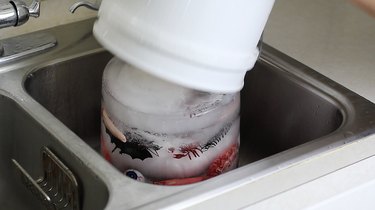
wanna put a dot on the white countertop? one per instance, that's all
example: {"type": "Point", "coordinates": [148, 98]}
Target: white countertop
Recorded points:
{"type": "Point", "coordinates": [332, 37]}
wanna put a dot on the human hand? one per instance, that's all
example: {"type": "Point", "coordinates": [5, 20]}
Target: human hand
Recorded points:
{"type": "Point", "coordinates": [367, 5]}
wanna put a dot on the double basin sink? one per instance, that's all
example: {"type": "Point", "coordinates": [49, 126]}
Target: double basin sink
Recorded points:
{"type": "Point", "coordinates": [289, 113]}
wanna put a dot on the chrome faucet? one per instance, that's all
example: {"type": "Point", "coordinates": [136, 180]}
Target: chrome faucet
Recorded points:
{"type": "Point", "coordinates": [16, 12]}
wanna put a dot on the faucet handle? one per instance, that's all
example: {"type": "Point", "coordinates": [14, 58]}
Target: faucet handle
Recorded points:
{"type": "Point", "coordinates": [34, 8]}
{"type": "Point", "coordinates": [24, 11]}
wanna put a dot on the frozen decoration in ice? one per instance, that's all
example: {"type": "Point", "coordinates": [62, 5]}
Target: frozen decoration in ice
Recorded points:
{"type": "Point", "coordinates": [167, 133]}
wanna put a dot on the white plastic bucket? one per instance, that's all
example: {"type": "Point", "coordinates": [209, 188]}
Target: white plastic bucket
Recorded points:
{"type": "Point", "coordinates": [201, 44]}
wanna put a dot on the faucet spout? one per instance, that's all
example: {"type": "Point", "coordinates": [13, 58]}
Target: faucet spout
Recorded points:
{"type": "Point", "coordinates": [86, 4]}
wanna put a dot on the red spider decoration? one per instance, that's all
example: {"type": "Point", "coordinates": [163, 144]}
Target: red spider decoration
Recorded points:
{"type": "Point", "coordinates": [188, 150]}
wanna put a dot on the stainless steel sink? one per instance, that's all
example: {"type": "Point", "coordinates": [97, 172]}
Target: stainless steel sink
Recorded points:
{"type": "Point", "coordinates": [289, 114]}
{"type": "Point", "coordinates": [12, 145]}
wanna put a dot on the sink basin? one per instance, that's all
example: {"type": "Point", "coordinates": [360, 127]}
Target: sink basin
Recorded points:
{"type": "Point", "coordinates": [21, 139]}
{"type": "Point", "coordinates": [278, 111]}
{"type": "Point", "coordinates": [289, 114]}
{"type": "Point", "coordinates": [71, 91]}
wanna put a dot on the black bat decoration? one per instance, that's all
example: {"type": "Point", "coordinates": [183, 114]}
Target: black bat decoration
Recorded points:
{"type": "Point", "coordinates": [135, 146]}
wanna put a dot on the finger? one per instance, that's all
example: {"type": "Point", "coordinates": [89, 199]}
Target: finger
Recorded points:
{"type": "Point", "coordinates": [367, 5]}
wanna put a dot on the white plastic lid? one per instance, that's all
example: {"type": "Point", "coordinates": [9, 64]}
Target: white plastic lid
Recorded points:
{"type": "Point", "coordinates": [206, 45]}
